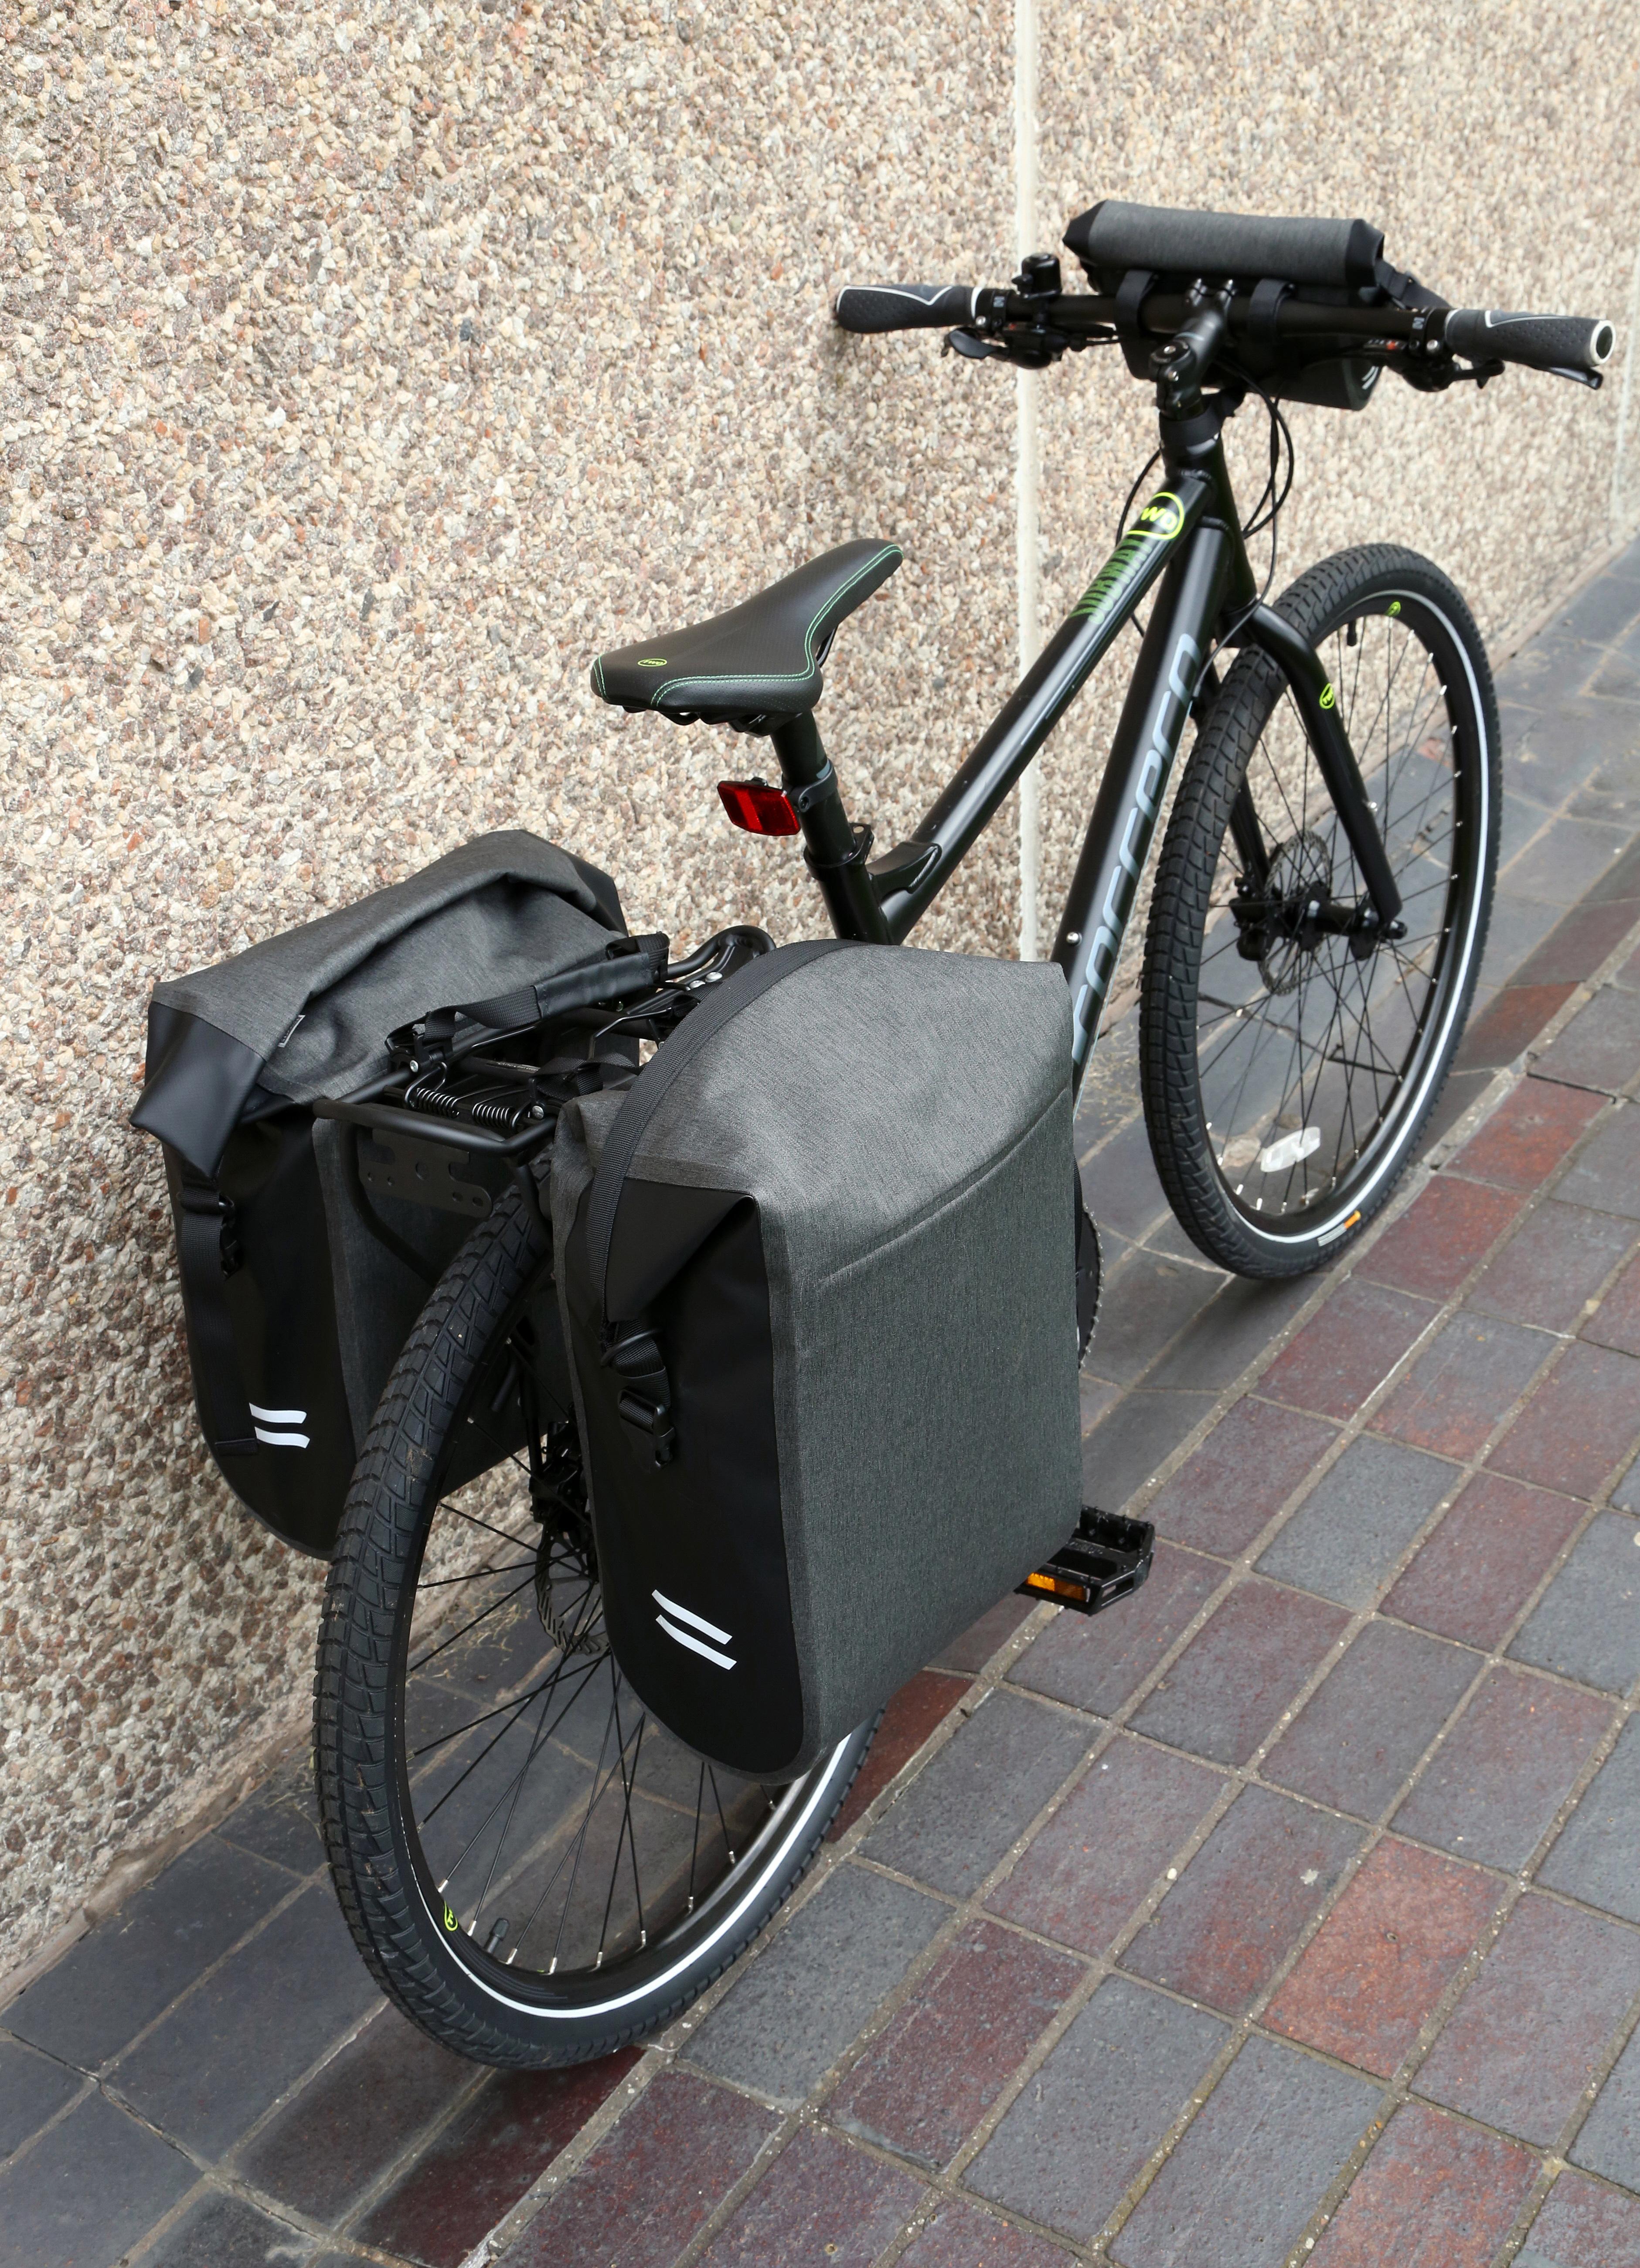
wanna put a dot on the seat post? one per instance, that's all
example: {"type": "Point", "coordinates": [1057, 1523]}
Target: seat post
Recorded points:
{"type": "Point", "coordinates": [835, 852]}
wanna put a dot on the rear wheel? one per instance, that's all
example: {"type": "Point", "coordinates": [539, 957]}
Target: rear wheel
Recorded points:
{"type": "Point", "coordinates": [533, 1867]}
{"type": "Point", "coordinates": [1288, 1067]}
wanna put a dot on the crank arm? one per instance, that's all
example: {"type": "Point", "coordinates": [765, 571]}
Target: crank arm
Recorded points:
{"type": "Point", "coordinates": [1318, 706]}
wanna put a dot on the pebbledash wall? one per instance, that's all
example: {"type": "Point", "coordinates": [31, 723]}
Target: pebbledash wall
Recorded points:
{"type": "Point", "coordinates": [366, 367]}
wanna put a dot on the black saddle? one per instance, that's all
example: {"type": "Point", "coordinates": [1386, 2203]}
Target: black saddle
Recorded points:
{"type": "Point", "coordinates": [760, 663]}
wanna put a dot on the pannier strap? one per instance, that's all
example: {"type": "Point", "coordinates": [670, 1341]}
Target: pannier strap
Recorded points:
{"type": "Point", "coordinates": [208, 1253]}
{"type": "Point", "coordinates": [650, 1090]}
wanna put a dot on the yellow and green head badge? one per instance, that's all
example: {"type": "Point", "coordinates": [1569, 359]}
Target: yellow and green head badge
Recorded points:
{"type": "Point", "coordinates": [1159, 522]}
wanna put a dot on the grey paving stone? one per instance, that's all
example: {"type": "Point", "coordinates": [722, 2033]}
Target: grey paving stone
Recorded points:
{"type": "Point", "coordinates": [1587, 1624]}
{"type": "Point", "coordinates": [1569, 857]}
{"type": "Point", "coordinates": [1597, 1858]}
{"type": "Point", "coordinates": [1148, 1299]}
{"type": "Point", "coordinates": [1600, 1046]}
{"type": "Point", "coordinates": [89, 2190]}
{"type": "Point", "coordinates": [1084, 2129]}
{"type": "Point", "coordinates": [1609, 2141]}
{"type": "Point", "coordinates": [219, 2059]}
{"type": "Point", "coordinates": [279, 1820]}
{"type": "Point", "coordinates": [225, 2232]}
{"type": "Point", "coordinates": [1252, 2168]}
{"type": "Point", "coordinates": [1626, 1494]}
{"type": "Point", "coordinates": [1516, 927]}
{"type": "Point", "coordinates": [1231, 1330]}
{"type": "Point", "coordinates": [117, 1979]}
{"type": "Point", "coordinates": [32, 2088]}
{"type": "Point", "coordinates": [1355, 1741]}
{"type": "Point", "coordinates": [1613, 793]}
{"type": "Point", "coordinates": [1348, 1534]}
{"type": "Point", "coordinates": [957, 1819]}
{"type": "Point", "coordinates": [796, 2008]}
{"type": "Point", "coordinates": [1119, 1184]}
{"type": "Point", "coordinates": [1522, 820]}
{"type": "Point", "coordinates": [1565, 744]}
{"type": "Point", "coordinates": [1128, 1446]}
{"type": "Point", "coordinates": [1607, 1174]}
{"type": "Point", "coordinates": [1600, 612]}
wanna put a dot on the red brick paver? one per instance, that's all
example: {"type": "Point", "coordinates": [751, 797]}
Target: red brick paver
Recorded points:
{"type": "Point", "coordinates": [1527, 2034]}
{"type": "Point", "coordinates": [1474, 1575]}
{"type": "Point", "coordinates": [1435, 2193]}
{"type": "Point", "coordinates": [1440, 1237]}
{"type": "Point", "coordinates": [820, 2200]}
{"type": "Point", "coordinates": [1583, 2224]}
{"type": "Point", "coordinates": [1236, 1482]}
{"type": "Point", "coordinates": [944, 2060]}
{"type": "Point", "coordinates": [1580, 1425]}
{"type": "Point", "coordinates": [1529, 1134]}
{"type": "Point", "coordinates": [1243, 1901]}
{"type": "Point", "coordinates": [1394, 1941]}
{"type": "Point", "coordinates": [1225, 1693]}
{"type": "Point", "coordinates": [653, 2183]}
{"type": "Point", "coordinates": [1108, 1844]}
{"type": "Point", "coordinates": [1346, 1350]}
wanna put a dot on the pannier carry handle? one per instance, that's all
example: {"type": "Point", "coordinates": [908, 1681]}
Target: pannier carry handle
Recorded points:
{"type": "Point", "coordinates": [629, 1346]}
{"type": "Point", "coordinates": [629, 965]}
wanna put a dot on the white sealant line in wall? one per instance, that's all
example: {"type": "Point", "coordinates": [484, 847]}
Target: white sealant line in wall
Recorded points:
{"type": "Point", "coordinates": [1623, 514]}
{"type": "Point", "coordinates": [1026, 466]}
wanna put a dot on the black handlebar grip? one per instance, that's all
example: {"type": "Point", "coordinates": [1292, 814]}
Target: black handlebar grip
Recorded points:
{"type": "Point", "coordinates": [904, 306]}
{"type": "Point", "coordinates": [1539, 341]}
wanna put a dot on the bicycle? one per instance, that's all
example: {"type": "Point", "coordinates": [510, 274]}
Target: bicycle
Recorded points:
{"type": "Point", "coordinates": [534, 1872]}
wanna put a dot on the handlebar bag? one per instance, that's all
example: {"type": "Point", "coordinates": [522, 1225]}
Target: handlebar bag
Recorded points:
{"type": "Point", "coordinates": [298, 1290]}
{"type": "Point", "coordinates": [817, 1274]}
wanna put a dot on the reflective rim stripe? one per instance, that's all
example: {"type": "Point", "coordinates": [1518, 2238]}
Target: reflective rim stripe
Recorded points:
{"type": "Point", "coordinates": [1358, 1203]}
{"type": "Point", "coordinates": [690, 1959]}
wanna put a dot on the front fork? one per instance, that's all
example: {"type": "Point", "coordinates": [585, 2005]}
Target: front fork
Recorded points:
{"type": "Point", "coordinates": [1316, 700]}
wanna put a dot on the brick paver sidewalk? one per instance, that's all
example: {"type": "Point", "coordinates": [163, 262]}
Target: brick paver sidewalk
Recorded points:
{"type": "Point", "coordinates": [1290, 1912]}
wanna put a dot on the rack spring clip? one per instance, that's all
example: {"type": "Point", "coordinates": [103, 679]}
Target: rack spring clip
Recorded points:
{"type": "Point", "coordinates": [1106, 1560]}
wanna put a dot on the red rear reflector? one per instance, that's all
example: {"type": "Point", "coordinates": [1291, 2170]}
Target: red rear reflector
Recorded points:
{"type": "Point", "coordinates": [757, 808]}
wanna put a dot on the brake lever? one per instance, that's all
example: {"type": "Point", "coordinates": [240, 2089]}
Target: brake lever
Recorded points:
{"type": "Point", "coordinates": [1593, 379]}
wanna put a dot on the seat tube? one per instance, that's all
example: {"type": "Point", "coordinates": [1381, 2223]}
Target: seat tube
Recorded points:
{"type": "Point", "coordinates": [1130, 795]}
{"type": "Point", "coordinates": [834, 852]}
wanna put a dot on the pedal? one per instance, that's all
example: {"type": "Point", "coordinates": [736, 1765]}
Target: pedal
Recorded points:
{"type": "Point", "coordinates": [1106, 1560]}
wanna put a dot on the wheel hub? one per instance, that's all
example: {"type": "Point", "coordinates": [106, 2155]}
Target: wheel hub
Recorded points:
{"type": "Point", "coordinates": [1281, 928]}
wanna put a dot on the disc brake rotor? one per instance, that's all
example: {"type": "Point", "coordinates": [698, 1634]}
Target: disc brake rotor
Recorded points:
{"type": "Point", "coordinates": [1300, 873]}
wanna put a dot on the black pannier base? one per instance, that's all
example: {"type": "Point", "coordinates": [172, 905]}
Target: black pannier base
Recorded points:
{"type": "Point", "coordinates": [300, 1285]}
{"type": "Point", "coordinates": [817, 1275]}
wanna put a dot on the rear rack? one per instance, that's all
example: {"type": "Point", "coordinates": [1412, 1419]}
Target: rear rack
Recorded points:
{"type": "Point", "coordinates": [456, 1094]}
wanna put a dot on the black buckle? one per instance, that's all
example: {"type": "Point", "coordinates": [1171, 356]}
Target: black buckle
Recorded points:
{"type": "Point", "coordinates": [645, 1400]}
{"type": "Point", "coordinates": [1107, 1559]}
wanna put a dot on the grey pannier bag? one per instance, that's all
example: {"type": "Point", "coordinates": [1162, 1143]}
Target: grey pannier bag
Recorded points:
{"type": "Point", "coordinates": [817, 1274]}
{"type": "Point", "coordinates": [300, 1284]}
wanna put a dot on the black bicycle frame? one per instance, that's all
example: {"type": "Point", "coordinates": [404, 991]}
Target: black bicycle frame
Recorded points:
{"type": "Point", "coordinates": [1188, 540]}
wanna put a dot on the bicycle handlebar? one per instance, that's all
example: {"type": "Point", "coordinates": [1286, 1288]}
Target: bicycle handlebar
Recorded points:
{"type": "Point", "coordinates": [1547, 342]}
{"type": "Point", "coordinates": [905, 307]}
{"type": "Point", "coordinates": [1537, 342]}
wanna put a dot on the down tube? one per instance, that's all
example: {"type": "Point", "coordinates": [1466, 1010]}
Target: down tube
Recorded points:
{"type": "Point", "coordinates": [1125, 810]}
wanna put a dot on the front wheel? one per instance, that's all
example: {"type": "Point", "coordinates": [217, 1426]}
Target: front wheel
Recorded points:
{"type": "Point", "coordinates": [1289, 1066]}
{"type": "Point", "coordinates": [531, 1867]}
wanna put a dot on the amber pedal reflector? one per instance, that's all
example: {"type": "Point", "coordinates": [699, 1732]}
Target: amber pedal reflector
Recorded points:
{"type": "Point", "coordinates": [757, 808]}
{"type": "Point", "coordinates": [1055, 1587]}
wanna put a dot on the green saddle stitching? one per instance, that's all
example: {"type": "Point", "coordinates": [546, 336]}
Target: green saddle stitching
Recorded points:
{"type": "Point", "coordinates": [792, 677]}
